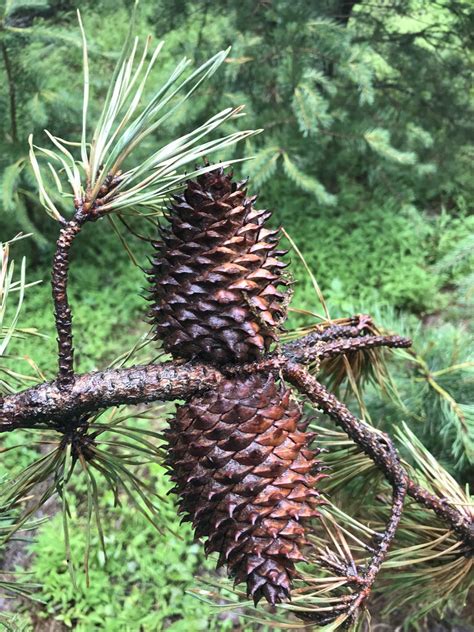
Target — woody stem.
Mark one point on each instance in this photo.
(376, 445)
(47, 403)
(379, 447)
(315, 349)
(62, 309)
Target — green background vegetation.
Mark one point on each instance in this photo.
(365, 159)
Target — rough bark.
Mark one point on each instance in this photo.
(379, 447)
(85, 394)
(50, 404)
(62, 309)
(54, 405)
(311, 347)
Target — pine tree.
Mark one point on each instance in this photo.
(237, 448)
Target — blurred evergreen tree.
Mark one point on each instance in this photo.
(355, 97)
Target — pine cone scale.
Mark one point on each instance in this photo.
(238, 455)
(216, 251)
(246, 495)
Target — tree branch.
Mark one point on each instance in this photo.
(311, 347)
(459, 523)
(379, 447)
(62, 309)
(50, 404)
(53, 405)
(85, 394)
(86, 210)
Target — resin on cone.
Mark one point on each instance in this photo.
(246, 479)
(216, 276)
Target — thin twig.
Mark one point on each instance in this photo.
(377, 446)
(312, 349)
(62, 309)
(458, 521)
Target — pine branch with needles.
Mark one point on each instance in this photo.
(249, 474)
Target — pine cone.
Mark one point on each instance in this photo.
(238, 455)
(246, 478)
(215, 276)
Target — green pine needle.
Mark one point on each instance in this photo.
(125, 122)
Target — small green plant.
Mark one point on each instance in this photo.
(143, 583)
